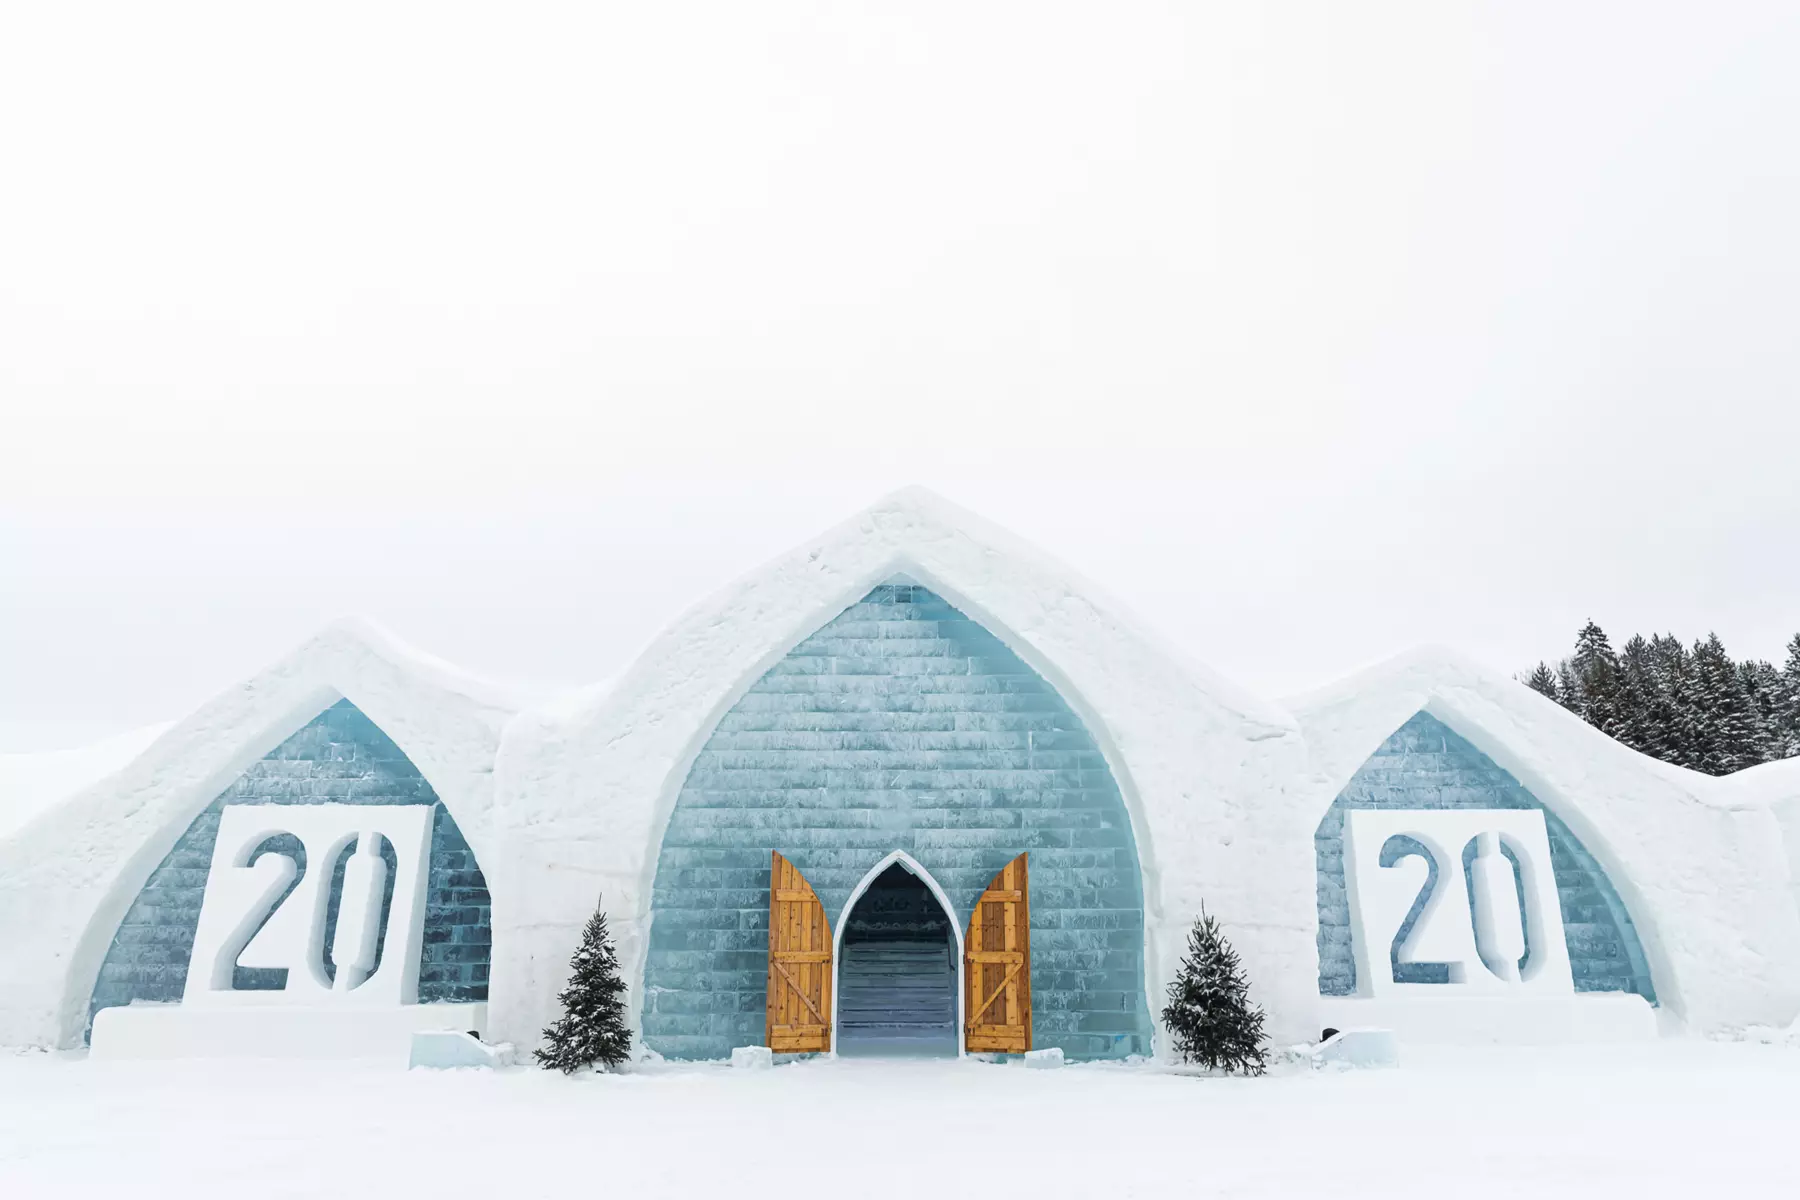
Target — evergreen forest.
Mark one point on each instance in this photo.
(1694, 705)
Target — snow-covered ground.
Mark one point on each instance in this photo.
(1677, 1118)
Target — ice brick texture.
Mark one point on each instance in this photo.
(901, 725)
(1425, 765)
(340, 757)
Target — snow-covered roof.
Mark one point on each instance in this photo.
(1766, 784)
(31, 783)
(913, 532)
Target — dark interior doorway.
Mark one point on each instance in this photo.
(897, 972)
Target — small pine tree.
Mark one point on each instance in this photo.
(592, 1029)
(1209, 1012)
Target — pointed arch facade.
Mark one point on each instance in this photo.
(901, 728)
(628, 752)
(69, 880)
(1427, 765)
(338, 757)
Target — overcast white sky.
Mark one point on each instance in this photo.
(1311, 331)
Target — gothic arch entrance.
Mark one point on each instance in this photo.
(898, 966)
(901, 725)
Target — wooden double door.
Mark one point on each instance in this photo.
(996, 968)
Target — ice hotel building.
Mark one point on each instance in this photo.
(910, 787)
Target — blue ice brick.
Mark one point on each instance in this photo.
(1426, 765)
(1101, 1021)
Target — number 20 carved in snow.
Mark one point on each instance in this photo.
(1482, 943)
(250, 917)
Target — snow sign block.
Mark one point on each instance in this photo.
(1486, 888)
(261, 911)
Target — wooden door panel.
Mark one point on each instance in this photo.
(997, 965)
(799, 990)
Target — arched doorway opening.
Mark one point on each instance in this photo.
(898, 973)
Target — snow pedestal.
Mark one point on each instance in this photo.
(1359, 1048)
(1043, 1060)
(1502, 1018)
(446, 1048)
(198, 1031)
(753, 1058)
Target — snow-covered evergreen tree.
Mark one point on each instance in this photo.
(1637, 698)
(1596, 671)
(1762, 681)
(1675, 716)
(1731, 734)
(1543, 680)
(592, 1030)
(1209, 1013)
(1788, 706)
(1568, 687)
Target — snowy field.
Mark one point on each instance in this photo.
(1686, 1119)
